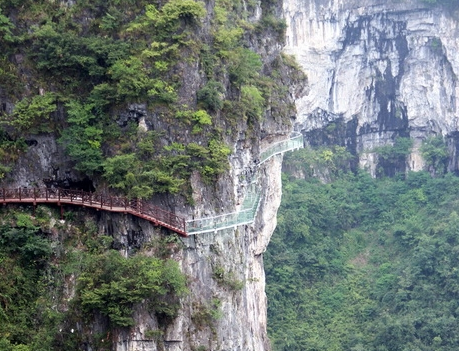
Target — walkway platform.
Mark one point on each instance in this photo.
(135, 207)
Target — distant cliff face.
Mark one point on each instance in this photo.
(377, 70)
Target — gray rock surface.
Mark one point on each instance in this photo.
(383, 68)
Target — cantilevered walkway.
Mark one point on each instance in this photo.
(252, 200)
(136, 207)
(246, 215)
(154, 214)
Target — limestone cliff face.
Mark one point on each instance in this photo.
(226, 306)
(378, 69)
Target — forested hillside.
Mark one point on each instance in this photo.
(364, 264)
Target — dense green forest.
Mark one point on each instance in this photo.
(365, 264)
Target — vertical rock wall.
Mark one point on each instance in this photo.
(382, 68)
(226, 306)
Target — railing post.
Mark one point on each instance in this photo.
(4, 194)
(59, 195)
(111, 202)
(19, 189)
(101, 201)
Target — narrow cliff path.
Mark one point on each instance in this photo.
(142, 209)
(135, 207)
(249, 208)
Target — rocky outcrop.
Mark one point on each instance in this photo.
(378, 69)
(226, 306)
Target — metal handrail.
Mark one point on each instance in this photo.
(280, 147)
(252, 200)
(136, 207)
(154, 214)
(228, 220)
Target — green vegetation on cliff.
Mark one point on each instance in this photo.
(139, 95)
(366, 264)
(60, 284)
(109, 77)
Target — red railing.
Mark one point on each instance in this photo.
(136, 207)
